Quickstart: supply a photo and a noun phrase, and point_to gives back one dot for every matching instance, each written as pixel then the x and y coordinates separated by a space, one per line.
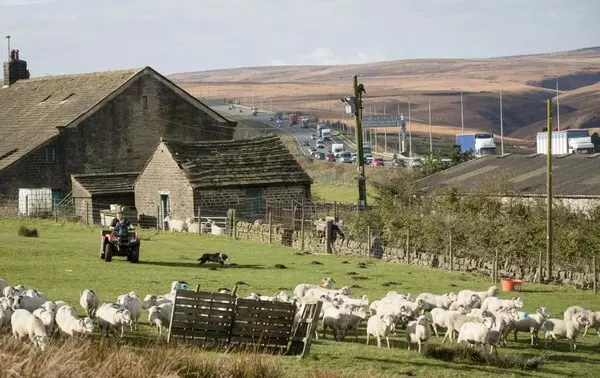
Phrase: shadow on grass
pixel 196 265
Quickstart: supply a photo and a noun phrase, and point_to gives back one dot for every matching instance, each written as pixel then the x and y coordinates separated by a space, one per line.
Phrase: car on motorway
pixel 313 136
pixel 320 145
pixel 368 158
pixel 377 162
pixel 312 150
pixel 354 157
pixel 345 157
pixel 279 123
pixel 330 157
pixel 321 155
pixel 414 163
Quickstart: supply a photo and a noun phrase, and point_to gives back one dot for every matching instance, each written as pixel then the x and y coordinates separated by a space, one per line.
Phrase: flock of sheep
pixel 190 225
pixel 477 318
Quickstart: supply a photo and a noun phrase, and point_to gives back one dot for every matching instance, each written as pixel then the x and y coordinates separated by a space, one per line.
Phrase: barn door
pixel 255 203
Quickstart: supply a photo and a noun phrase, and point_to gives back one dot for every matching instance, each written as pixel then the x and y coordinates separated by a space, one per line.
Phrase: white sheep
pixel 380 326
pixel 356 317
pixel 317 292
pixel 301 289
pixel 474 301
pixel 493 303
pixel 216 230
pixel 504 321
pixel 9 291
pixel 594 318
pixel 113 317
pixel 417 331
pixel 160 316
pixel 60 304
pixel 175 224
pixel 6 312
pixel 154 300
pixel 455 320
pixel 70 325
pixel 570 312
pixel 3 285
pixel 48 318
pixel 465 295
pixel 89 301
pixel 24 323
pixel 428 301
pixel 531 323
pixel 477 333
pixel 363 300
pixel 131 302
pixel 564 329
pixel 338 320
pixel 440 315
pixel 31 300
pixel 192 226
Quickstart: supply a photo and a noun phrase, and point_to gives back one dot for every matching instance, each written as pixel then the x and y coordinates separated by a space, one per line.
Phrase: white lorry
pixel 326 134
pixel 337 149
pixel 564 142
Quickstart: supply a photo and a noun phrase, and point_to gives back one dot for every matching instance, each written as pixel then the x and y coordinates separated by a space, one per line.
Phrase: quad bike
pixel 125 243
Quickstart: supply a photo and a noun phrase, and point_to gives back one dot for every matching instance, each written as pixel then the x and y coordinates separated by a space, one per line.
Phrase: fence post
pixel 328 236
pixel 270 228
pixel 408 246
pixel 496 268
pixel 595 272
pixel 368 241
pixel 55 210
pixel 451 253
pixel 158 218
pixel 199 222
pixel 335 211
pixel 302 230
pixel 27 205
pixel 234 216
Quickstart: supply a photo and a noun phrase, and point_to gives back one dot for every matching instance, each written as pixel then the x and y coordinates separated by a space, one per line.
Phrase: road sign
pixel 388 120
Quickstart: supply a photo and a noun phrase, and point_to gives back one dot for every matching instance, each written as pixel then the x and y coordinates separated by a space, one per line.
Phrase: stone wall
pixel 260 233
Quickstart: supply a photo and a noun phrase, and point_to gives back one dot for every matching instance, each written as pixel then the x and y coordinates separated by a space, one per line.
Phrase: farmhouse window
pixel 145 102
pixel 50 154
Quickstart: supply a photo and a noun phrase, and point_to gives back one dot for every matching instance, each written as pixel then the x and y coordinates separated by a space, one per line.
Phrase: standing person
pixel 335 231
pixel 376 247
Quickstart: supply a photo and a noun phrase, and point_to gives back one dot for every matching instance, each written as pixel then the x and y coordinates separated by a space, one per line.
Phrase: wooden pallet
pixel 305 329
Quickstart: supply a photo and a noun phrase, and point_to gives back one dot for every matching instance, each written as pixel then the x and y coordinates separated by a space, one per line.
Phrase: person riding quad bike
pixel 119 223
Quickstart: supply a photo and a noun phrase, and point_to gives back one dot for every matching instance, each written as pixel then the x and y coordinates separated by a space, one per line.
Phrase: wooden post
pixel 158 218
pixel 408 246
pixel 87 213
pixel 234 290
pixel 328 236
pixel 197 288
pixel 27 205
pixel 335 211
pixel 234 213
pixel 270 228
pixel 199 222
pixel 451 253
pixel 595 272
pixel 302 230
pixel 496 268
pixel 55 210
pixel 368 241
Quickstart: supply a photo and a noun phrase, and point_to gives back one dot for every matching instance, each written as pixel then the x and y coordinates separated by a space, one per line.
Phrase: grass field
pixel 64 260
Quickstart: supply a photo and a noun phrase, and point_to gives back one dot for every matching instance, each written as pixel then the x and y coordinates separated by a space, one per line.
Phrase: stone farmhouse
pixel 104 122
pixel 214 176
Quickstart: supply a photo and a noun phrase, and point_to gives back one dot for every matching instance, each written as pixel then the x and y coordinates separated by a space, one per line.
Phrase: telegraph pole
pixel 358 106
pixel 549 196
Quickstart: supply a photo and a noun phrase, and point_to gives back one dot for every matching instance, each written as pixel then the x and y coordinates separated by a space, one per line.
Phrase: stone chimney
pixel 15 69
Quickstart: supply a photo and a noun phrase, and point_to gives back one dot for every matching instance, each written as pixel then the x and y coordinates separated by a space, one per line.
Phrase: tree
pixel 596 141
pixel 458 157
pixel 431 165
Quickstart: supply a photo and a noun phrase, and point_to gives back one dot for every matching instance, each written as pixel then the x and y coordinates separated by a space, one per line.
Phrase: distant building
pixel 53 127
pixel 216 176
pixel 575 178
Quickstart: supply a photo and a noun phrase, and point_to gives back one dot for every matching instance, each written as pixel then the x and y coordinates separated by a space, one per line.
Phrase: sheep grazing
pixel 380 326
pixel 477 333
pixel 530 323
pixel 454 322
pixel 90 301
pixel 356 317
pixel 564 329
pixel 338 320
pixel 154 300
pixel 3 285
pixel 113 317
pixel 570 312
pixel 317 292
pixel 6 312
pixel 493 303
pixel 417 331
pixel 131 302
pixel 470 302
pixel 301 289
pixel 70 325
pixel 363 300
pixel 29 300
pixel 24 323
pixel 160 316
pixel 594 318
pixel 48 318
pixel 429 301
pixel 464 296
pixel 175 225
pixel 504 321
pixel 439 317
pixel 192 226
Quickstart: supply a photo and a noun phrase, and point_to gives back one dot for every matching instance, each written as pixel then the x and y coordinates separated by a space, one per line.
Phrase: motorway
pixel 300 134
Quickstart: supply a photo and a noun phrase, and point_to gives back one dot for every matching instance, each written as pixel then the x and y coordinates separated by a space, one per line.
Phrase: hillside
pixel 526 82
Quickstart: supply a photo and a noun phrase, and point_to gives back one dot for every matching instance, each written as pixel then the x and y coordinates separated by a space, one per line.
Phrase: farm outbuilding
pixel 575 178
pixel 219 175
pixel 94 193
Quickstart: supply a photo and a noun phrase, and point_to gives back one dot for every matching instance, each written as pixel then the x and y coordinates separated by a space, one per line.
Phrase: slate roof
pixel 32 109
pixel 572 175
pixel 107 183
pixel 245 162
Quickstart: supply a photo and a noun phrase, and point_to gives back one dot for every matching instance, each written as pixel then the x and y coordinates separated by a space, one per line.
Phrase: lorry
pixel 326 134
pixel 566 142
pixel 477 143
pixel 293 118
pixel 337 149
pixel 305 121
pixel 366 148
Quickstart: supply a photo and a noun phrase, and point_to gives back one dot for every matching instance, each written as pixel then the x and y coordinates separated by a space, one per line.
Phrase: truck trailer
pixel 566 142
pixel 478 143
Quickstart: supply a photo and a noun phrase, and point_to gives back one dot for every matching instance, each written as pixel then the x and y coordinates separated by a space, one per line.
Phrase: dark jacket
pixel 335 231
pixel 119 225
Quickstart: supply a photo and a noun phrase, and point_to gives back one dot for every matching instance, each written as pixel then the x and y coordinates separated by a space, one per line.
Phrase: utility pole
pixel 8 41
pixel 557 107
pixel 549 197
pixel 430 141
pixel 409 133
pixel 462 114
pixel 501 125
pixel 362 189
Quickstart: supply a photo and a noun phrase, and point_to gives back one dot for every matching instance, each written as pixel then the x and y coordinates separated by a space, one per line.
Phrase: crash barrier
pixel 222 320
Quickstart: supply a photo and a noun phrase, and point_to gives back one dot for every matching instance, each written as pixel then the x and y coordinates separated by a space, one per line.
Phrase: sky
pixel 70 36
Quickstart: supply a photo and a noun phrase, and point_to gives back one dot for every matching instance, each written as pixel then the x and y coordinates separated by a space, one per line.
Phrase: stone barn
pixel 94 193
pixel 182 177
